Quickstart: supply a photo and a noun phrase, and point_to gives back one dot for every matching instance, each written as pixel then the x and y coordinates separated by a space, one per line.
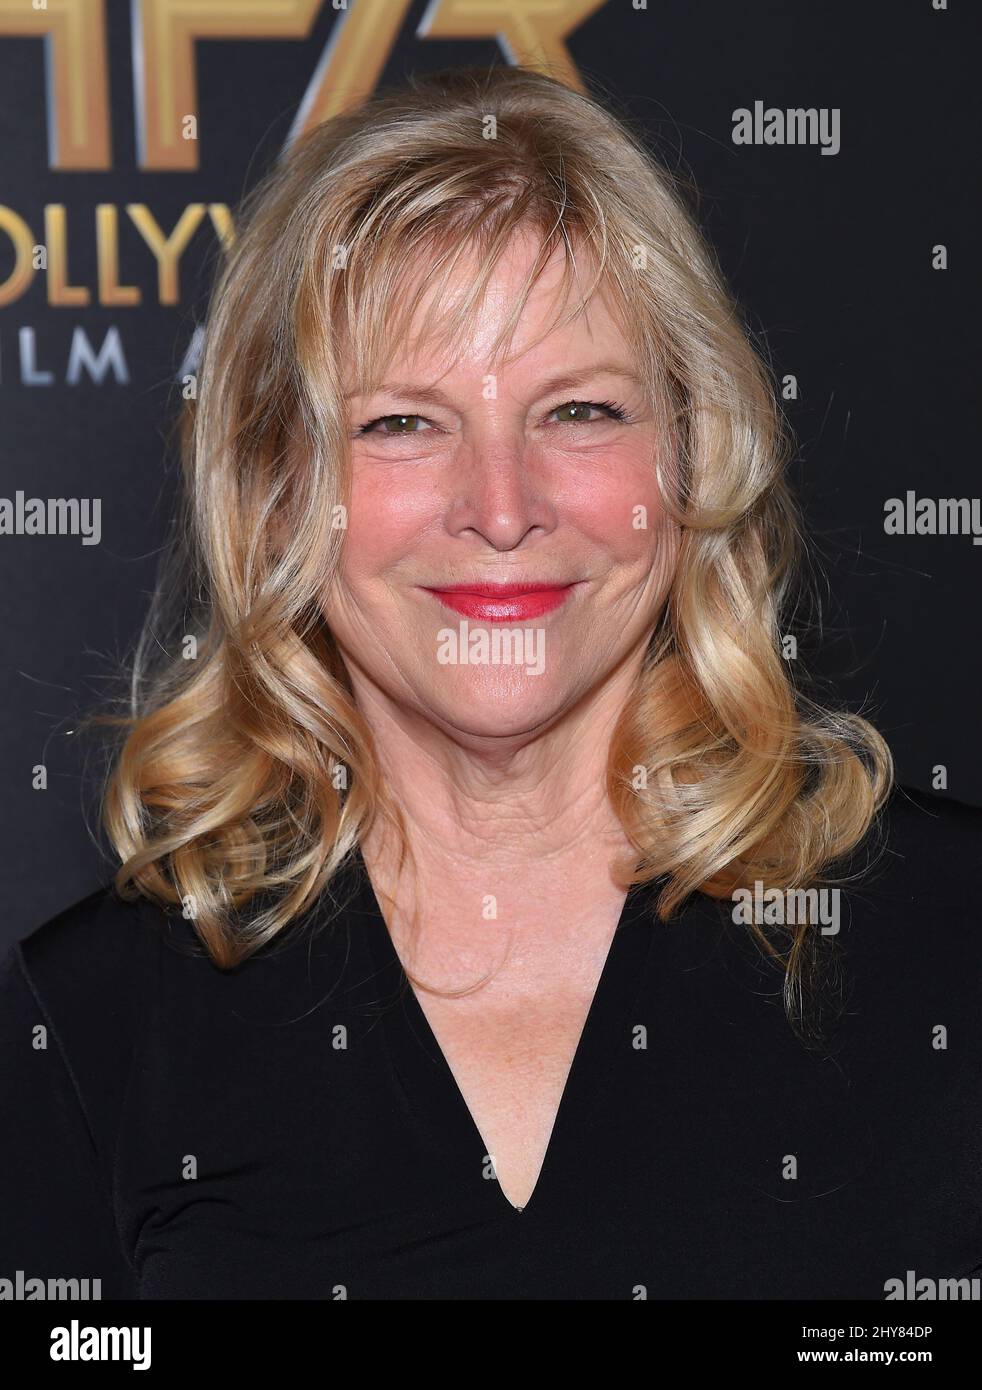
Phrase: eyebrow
pixel 432 395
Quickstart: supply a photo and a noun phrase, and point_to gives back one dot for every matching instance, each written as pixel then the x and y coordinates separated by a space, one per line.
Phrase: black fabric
pixel 335 1156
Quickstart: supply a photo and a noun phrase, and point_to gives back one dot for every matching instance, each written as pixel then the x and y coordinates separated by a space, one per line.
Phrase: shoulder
pixel 901 937
pixel 89 954
pixel 81 978
pixel 919 862
pixel 109 976
pixel 911 938
pixel 927 832
pixel 100 929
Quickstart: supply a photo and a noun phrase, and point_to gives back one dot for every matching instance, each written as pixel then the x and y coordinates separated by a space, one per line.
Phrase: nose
pixel 498 493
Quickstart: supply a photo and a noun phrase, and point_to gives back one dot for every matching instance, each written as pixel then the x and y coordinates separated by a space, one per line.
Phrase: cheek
pixel 620 510
pixel 387 516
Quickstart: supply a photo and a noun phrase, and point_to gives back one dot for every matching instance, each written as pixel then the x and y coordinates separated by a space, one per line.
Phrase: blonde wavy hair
pixel 226 786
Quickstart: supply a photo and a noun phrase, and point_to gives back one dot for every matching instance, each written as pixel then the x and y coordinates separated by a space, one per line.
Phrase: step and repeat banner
pixel 833 147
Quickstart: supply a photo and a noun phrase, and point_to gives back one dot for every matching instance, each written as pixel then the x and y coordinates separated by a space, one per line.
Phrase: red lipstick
pixel 502 603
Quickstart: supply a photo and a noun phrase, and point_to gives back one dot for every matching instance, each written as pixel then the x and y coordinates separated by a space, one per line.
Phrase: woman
pixel 473 828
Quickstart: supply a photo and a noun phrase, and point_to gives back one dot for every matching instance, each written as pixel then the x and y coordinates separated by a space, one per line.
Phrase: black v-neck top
pixel 292 1130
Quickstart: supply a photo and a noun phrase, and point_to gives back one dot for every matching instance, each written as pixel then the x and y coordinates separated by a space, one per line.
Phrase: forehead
pixel 563 325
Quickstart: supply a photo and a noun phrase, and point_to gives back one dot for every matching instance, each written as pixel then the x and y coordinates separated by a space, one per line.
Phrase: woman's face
pixel 515 478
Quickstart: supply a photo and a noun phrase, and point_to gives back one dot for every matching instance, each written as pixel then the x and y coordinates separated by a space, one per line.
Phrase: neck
pixel 526 814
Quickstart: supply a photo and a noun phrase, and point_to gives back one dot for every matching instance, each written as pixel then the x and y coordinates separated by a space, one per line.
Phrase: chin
pixel 499 714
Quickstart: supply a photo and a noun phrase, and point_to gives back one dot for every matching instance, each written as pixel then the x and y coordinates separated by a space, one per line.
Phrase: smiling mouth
pixel 503 603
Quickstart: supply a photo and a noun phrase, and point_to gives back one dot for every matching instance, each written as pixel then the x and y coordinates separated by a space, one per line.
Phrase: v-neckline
pixel 423 1068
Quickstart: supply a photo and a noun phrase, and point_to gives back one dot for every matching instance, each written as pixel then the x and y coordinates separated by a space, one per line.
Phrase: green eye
pixel 581 408
pixel 384 420
pixel 581 411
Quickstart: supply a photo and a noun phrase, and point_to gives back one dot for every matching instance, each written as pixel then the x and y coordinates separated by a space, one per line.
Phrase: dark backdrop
pixel 831 255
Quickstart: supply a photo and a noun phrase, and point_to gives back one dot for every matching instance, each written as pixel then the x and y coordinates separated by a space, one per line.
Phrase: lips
pixel 502 603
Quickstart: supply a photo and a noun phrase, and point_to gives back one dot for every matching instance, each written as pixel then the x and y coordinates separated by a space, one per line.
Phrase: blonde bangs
pixel 380 296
